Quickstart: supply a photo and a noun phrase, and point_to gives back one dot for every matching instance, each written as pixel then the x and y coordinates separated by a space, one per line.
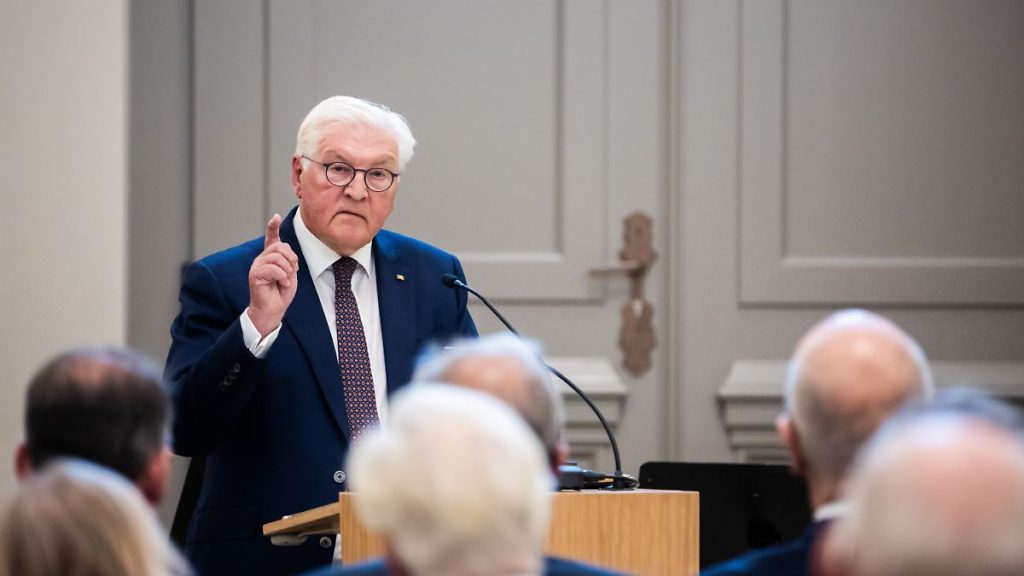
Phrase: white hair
pixel 936 494
pixel 456 482
pixel 351 111
pixel 544 410
pixel 836 404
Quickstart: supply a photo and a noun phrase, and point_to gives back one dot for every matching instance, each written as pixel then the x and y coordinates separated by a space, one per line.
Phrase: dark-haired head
pixel 104 405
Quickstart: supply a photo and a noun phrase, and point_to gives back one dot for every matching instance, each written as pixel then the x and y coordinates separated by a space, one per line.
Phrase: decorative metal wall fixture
pixel 636 336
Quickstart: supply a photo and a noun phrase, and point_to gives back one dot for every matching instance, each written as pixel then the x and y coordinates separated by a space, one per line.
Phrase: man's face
pixel 348 217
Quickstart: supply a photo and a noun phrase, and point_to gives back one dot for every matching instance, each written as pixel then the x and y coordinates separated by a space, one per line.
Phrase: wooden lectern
pixel 643 532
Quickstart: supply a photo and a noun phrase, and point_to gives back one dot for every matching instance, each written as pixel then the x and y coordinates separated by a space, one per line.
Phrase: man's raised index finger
pixel 273 231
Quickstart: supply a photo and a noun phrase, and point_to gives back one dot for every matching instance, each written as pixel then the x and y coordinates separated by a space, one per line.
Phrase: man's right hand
pixel 273 279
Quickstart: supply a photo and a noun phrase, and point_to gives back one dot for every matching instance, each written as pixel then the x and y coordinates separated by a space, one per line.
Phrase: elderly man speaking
pixel 287 346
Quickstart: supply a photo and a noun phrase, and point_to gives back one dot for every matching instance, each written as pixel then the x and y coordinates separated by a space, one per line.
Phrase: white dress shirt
pixel 319 264
pixel 832 510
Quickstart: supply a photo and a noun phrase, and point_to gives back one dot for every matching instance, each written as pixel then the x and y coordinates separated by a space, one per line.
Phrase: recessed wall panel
pixel 880 147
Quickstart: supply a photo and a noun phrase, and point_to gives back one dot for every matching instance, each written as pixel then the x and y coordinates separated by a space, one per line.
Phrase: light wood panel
pixel 643 532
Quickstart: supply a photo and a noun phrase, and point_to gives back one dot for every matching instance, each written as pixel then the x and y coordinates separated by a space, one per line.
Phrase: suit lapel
pixel 396 290
pixel 305 319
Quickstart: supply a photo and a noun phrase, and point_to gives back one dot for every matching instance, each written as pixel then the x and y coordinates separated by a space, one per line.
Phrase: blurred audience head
pixel 847 374
pixel 510 368
pixel 457 484
pixel 76 518
pixel 970 402
pixel 105 405
pixel 939 493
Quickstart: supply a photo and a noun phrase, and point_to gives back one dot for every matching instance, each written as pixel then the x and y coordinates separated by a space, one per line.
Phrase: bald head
pixel 848 373
pixel 502 376
pixel 939 494
pixel 509 368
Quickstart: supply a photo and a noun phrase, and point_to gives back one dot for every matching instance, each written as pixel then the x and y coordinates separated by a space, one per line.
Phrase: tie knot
pixel 343 269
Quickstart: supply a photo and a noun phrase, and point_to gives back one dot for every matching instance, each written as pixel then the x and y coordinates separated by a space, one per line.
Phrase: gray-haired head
pixel 934 493
pixel 351 111
pixel 848 373
pixel 457 483
pixel 511 369
pixel 969 402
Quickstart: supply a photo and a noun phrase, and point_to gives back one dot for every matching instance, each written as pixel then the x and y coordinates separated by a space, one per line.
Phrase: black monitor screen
pixel 742 506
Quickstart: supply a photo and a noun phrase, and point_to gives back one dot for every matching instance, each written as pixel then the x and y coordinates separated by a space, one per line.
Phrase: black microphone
pixel 619 480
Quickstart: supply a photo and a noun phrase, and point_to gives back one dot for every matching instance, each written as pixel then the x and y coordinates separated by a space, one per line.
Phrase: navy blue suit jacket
pixel 790 559
pixel 274 430
pixel 553 566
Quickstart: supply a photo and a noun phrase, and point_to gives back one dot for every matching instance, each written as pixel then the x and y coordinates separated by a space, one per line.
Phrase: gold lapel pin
pixel 400 277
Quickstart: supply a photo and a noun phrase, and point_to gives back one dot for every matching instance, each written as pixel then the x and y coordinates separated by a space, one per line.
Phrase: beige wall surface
pixel 797 157
pixel 836 154
pixel 63 192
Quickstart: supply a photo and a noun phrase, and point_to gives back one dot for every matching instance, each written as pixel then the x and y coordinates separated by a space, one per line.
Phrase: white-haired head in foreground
pixel 349 111
pixel 939 494
pixel 74 517
pixel 456 482
pixel 510 368
pixel 848 373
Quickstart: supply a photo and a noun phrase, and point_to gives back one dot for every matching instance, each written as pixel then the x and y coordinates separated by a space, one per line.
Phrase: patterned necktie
pixel 353 359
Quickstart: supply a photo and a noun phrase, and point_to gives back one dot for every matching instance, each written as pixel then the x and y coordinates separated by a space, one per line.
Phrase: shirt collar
pixel 831 510
pixel 320 257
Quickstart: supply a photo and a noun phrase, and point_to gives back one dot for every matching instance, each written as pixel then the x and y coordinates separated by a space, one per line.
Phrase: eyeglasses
pixel 341 174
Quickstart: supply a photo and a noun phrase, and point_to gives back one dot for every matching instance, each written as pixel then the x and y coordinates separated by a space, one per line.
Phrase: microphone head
pixel 450 280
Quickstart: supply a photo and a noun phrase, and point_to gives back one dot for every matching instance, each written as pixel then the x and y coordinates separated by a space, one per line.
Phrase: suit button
pixel 224 385
pixel 235 369
pixel 326 542
pixel 339 476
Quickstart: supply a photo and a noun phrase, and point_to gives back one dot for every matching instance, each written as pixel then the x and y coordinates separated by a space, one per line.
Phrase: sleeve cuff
pixel 256 345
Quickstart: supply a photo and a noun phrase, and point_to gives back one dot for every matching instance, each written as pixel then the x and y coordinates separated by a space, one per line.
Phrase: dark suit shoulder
pixel 242 254
pixel 772 561
pixel 789 559
pixel 402 246
pixel 554 566
pixel 225 274
pixel 374 567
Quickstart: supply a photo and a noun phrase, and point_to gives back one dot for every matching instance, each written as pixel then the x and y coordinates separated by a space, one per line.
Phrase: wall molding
pixel 751 398
pixel 596 376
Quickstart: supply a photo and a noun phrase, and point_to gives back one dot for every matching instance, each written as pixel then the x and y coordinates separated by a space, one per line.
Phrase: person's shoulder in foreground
pixel 553 566
pixel 373 567
pixel 789 559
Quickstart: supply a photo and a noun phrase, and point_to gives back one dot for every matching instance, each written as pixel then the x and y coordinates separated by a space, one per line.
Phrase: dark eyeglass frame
pixel 365 171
